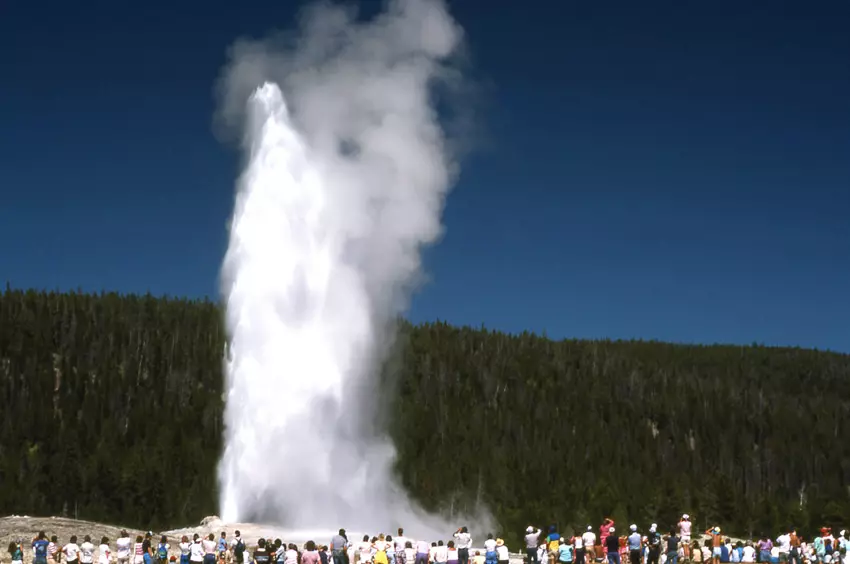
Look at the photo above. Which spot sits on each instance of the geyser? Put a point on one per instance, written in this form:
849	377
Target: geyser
346	172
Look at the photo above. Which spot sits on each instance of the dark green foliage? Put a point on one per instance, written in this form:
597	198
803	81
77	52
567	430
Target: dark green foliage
112	407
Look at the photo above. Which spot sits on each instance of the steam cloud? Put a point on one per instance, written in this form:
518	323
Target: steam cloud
346	173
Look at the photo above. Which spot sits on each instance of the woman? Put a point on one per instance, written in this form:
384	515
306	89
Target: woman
380	547
291	555
310	554
53	550
196	550
184	549
139	550
123	545
209	545
87	551
502	554
16	552
104	553
72	551
453	554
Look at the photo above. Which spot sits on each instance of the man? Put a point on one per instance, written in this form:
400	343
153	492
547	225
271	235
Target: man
400	544
237	548
685	535
716	543
339	545
634	543
464	543
783	543
795	555
532	540
653	543
589	541
672	547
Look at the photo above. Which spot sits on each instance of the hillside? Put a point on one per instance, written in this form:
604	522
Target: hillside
112	410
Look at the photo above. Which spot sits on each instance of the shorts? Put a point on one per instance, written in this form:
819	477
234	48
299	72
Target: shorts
686	539
716	552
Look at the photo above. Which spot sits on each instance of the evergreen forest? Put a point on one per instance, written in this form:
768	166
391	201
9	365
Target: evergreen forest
112	411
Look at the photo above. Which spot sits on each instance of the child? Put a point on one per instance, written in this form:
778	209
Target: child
162	551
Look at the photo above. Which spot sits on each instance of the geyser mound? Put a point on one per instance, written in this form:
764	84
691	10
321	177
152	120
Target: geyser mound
346	172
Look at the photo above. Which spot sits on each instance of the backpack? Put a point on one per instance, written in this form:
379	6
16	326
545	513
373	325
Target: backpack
162	552
239	550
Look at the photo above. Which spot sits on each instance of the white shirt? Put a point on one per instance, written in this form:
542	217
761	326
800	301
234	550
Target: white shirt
589	539
196	550
123	546
749	554
784	542
209	546
464	540
290	557
399	543
184	548
71	551
422	547
578	543
105	555
502	553
452	555
86	553
441	554
365	550
490	545
685	529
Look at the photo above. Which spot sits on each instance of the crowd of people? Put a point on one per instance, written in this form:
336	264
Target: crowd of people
676	546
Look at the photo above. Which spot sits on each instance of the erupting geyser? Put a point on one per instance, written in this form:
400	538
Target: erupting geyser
345	176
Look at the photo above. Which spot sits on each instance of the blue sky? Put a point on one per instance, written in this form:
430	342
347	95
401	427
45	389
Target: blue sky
676	170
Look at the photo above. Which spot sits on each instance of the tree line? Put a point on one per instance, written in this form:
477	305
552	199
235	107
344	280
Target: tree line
112	411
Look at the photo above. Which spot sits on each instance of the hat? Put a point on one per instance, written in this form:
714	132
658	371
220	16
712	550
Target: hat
633	527
653	527
610	529
499	542
716	530
685	516
563	540
589	528
529	529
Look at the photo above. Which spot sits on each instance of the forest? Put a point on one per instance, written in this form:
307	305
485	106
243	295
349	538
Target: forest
112	411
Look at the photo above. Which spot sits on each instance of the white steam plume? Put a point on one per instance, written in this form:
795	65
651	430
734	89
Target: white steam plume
346	173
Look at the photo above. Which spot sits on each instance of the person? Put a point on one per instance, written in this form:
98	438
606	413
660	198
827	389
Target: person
380	546
748	555
53	550
423	551
184	547
441	554
261	554
16	552
612	546
39	548
673	541
209	546
553	540
196	550
310	554
104	552
464	543
401	547
222	547
635	542
565	552
589	542
604	531
716	544
490	556
162	550
339	544
71	551
237	548
87	551
532	539
685	535
122	546
503	556
653	543
452	553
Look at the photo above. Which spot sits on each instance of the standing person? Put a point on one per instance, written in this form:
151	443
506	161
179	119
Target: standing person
209	546
72	551
86	551
123	545
490	556
783	541
162	550
104	552
565	552
796	555
16	552
464	543
222	547
441	555
716	544
612	546
339	544
503	556
685	534
39	548
53	550
673	542
604	531
589	541
634	542
578	543
553	540
423	550
452	553
532	540
653	543
185	549
310	554
138	550
261	555
400	546
196	550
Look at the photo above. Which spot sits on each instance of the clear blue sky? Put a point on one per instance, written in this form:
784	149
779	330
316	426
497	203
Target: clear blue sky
677	170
